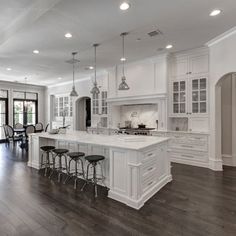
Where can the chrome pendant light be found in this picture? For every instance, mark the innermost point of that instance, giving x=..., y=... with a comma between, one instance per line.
x=73, y=61
x=95, y=89
x=123, y=85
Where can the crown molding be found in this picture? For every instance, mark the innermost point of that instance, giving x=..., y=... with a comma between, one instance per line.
x=221, y=37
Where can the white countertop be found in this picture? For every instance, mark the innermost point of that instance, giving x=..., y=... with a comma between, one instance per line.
x=118, y=141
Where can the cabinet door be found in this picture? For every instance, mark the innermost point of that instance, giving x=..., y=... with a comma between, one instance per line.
x=178, y=103
x=179, y=66
x=198, y=64
x=199, y=95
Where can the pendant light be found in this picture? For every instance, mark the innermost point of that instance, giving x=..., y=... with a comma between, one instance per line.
x=95, y=89
x=73, y=61
x=123, y=85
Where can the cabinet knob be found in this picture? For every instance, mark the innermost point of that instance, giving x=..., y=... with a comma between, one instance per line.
x=190, y=72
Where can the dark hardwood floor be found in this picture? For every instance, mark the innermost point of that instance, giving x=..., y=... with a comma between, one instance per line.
x=198, y=202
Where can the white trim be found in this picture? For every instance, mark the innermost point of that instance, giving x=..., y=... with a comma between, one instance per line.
x=221, y=37
x=216, y=165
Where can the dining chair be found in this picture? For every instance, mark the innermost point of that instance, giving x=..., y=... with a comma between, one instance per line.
x=18, y=126
x=11, y=135
x=38, y=127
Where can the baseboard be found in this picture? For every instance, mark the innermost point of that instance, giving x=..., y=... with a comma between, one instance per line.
x=33, y=165
x=229, y=160
x=216, y=165
x=190, y=162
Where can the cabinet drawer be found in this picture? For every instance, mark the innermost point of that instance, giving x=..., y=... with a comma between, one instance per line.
x=149, y=155
x=147, y=183
x=149, y=168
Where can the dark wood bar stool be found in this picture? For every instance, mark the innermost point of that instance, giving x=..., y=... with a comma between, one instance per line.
x=94, y=160
x=59, y=153
x=46, y=163
x=76, y=158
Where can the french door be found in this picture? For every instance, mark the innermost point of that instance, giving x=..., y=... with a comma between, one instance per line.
x=25, y=112
x=3, y=116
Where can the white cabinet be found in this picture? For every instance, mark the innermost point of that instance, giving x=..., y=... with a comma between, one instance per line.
x=189, y=97
x=188, y=89
x=193, y=64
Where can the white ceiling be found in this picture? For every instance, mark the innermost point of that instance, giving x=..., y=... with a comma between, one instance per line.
x=26, y=25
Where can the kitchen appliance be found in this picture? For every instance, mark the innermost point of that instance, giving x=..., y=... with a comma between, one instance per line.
x=136, y=131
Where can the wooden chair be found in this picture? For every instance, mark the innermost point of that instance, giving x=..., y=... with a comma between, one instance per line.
x=38, y=128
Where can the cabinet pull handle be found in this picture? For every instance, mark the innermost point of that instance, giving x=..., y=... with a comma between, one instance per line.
x=150, y=154
x=150, y=183
x=187, y=156
x=150, y=168
x=190, y=72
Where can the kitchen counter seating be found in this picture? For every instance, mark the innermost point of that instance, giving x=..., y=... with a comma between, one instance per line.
x=135, y=167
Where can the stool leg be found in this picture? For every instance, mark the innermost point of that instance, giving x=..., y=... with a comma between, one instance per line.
x=82, y=166
x=68, y=173
x=53, y=166
x=86, y=179
x=60, y=169
x=41, y=164
x=95, y=179
x=47, y=163
x=76, y=174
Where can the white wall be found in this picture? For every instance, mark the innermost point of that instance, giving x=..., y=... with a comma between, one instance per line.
x=222, y=62
x=28, y=88
x=226, y=115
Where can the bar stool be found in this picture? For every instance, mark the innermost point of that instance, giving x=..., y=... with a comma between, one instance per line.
x=94, y=160
x=76, y=157
x=60, y=152
x=47, y=164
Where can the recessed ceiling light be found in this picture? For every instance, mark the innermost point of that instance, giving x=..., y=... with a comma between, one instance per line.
x=169, y=46
x=59, y=78
x=68, y=35
x=215, y=12
x=91, y=67
x=123, y=59
x=36, y=51
x=124, y=6
x=8, y=68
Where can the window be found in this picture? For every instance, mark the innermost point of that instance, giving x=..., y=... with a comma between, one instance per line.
x=25, y=110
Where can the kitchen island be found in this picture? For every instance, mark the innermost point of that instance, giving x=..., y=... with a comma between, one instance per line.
x=135, y=167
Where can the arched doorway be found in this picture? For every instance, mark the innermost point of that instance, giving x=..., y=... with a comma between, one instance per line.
x=225, y=117
x=83, y=113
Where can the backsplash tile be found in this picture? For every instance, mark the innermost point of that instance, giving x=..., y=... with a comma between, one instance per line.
x=137, y=114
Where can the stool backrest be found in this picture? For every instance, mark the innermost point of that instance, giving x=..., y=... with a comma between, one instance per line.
x=39, y=127
x=29, y=130
x=19, y=126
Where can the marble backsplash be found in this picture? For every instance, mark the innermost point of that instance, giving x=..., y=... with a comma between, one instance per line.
x=137, y=114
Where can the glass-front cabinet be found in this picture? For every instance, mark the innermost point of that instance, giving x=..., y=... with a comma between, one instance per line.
x=179, y=97
x=189, y=96
x=199, y=95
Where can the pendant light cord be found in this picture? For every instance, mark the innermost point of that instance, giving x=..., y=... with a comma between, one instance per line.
x=123, y=46
x=73, y=70
x=95, y=63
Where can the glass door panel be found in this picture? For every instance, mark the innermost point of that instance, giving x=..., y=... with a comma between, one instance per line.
x=179, y=97
x=30, y=110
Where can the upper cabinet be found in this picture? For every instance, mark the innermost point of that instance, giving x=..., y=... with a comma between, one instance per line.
x=189, y=65
x=188, y=84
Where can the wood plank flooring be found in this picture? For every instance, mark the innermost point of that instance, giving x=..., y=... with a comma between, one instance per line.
x=198, y=202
